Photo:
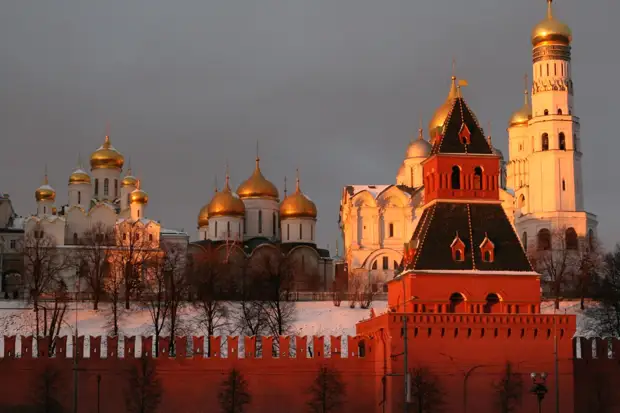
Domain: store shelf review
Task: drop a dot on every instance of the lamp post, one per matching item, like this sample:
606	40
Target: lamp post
539	387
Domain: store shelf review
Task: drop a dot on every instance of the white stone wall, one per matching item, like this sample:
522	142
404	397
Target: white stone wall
411	174
45	208
80	195
98	183
299	230
225	228
125	192
269	209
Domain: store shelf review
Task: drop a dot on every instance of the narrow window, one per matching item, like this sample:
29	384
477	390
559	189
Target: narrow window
562	69
301	232
96	187
228	229
374	265
245	225
555	69
563	185
458	255
79	197
115	188
545	142
45	210
273	224
288	231
559	111
546	112
562	140
477	177
547	69
456	177
386	263
151	237
128	199
391	230
124	236
260	222
524	240
311	232
487	256
106	187
239	231
215	229
540	70
13	244
138	213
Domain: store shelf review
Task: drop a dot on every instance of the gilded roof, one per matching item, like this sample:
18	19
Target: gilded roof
257	186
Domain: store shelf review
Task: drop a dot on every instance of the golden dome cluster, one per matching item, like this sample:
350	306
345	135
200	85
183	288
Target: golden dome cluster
257	186
226	203
79	176
45	192
297	205
551	30
106	157
435	126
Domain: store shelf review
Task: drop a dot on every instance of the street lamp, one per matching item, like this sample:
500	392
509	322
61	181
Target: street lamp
539	387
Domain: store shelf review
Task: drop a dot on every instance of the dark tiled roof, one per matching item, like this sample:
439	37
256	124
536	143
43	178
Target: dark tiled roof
450	142
440	224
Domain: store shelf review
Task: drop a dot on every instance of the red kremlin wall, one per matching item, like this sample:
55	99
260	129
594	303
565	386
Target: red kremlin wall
467	354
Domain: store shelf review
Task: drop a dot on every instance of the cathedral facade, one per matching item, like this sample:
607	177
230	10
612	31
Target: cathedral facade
540	185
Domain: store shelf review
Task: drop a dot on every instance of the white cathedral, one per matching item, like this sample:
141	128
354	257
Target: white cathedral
542	188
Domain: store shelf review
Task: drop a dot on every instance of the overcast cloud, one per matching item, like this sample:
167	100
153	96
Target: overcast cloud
334	87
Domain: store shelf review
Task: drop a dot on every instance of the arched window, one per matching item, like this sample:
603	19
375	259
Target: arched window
96	187
477	177
563	185
75	238
228	229
458	255
115	188
138	213
311	232
288	231
562	140
456	177
151	237
260	221
128	199
245	225
301	231
545	142
215	230
524	240
106	187
546	112
79	197
374	265
391	230
273	223
386	263
522	201
543	240
492	302
591	239
487	256
571	239
457	303
559	111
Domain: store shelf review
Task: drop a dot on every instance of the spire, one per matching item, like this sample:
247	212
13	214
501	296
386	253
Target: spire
297	187
128	167
227	184
489	135
525	91
257	157
420	131
45	181
285	190
79	161
138	183
549	9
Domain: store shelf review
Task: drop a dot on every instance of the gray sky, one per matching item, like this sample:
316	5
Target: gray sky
334	87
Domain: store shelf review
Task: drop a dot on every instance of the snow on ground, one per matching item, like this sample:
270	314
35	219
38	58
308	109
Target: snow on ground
313	318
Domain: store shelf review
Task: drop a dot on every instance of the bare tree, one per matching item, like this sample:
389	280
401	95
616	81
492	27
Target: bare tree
44	264
93	257
175	267
327	393
557	259
56	315
508	390
144	390
234	395
113	286
208	278
591	266
606	315
154	296
426	393
135	248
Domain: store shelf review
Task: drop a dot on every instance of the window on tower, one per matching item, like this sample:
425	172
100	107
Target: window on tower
245	225
456	177
96	187
571	239
106	187
543	240
374	265
301	232
273	223
115	188
546	112
545	142
563	185
391	230
386	263
228	229
260	222
458	249
562	139
79	197
524	240
477	177
559	111
128	199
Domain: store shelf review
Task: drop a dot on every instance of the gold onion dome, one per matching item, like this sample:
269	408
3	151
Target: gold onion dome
419	147
297	205
435	126
551	30
106	157
226	203
45	192
79	176
523	115
203	216
129	179
138	196
257	186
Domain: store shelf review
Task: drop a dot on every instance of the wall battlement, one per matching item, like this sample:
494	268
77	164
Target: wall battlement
217	347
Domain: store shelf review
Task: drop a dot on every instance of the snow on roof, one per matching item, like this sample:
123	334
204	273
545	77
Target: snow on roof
18	223
168	231
374	190
471	272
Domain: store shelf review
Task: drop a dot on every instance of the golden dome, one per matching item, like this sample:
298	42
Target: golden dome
129	179
257	186
297	205
45	192
521	116
79	176
226	203
203	216
106	157
551	30
138	196
435	126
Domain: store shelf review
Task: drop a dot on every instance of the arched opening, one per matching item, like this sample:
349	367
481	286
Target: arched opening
591	239
260	221
96	187
570	236
559	111
458	255
543	240
546	112
456	177
457	303
477	177
491	304
374	265
524	240
487	256
106	187
562	139
545	142
273	223
75	238
391	230
521	201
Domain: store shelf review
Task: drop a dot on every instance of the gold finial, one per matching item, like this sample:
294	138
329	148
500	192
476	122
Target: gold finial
525	89
285	190
420	130
453	68
45	181
79	161
297	188
227	184
257	157
215	183
549	9
138	184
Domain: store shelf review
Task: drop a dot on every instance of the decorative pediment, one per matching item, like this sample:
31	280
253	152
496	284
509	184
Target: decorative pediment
464	134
